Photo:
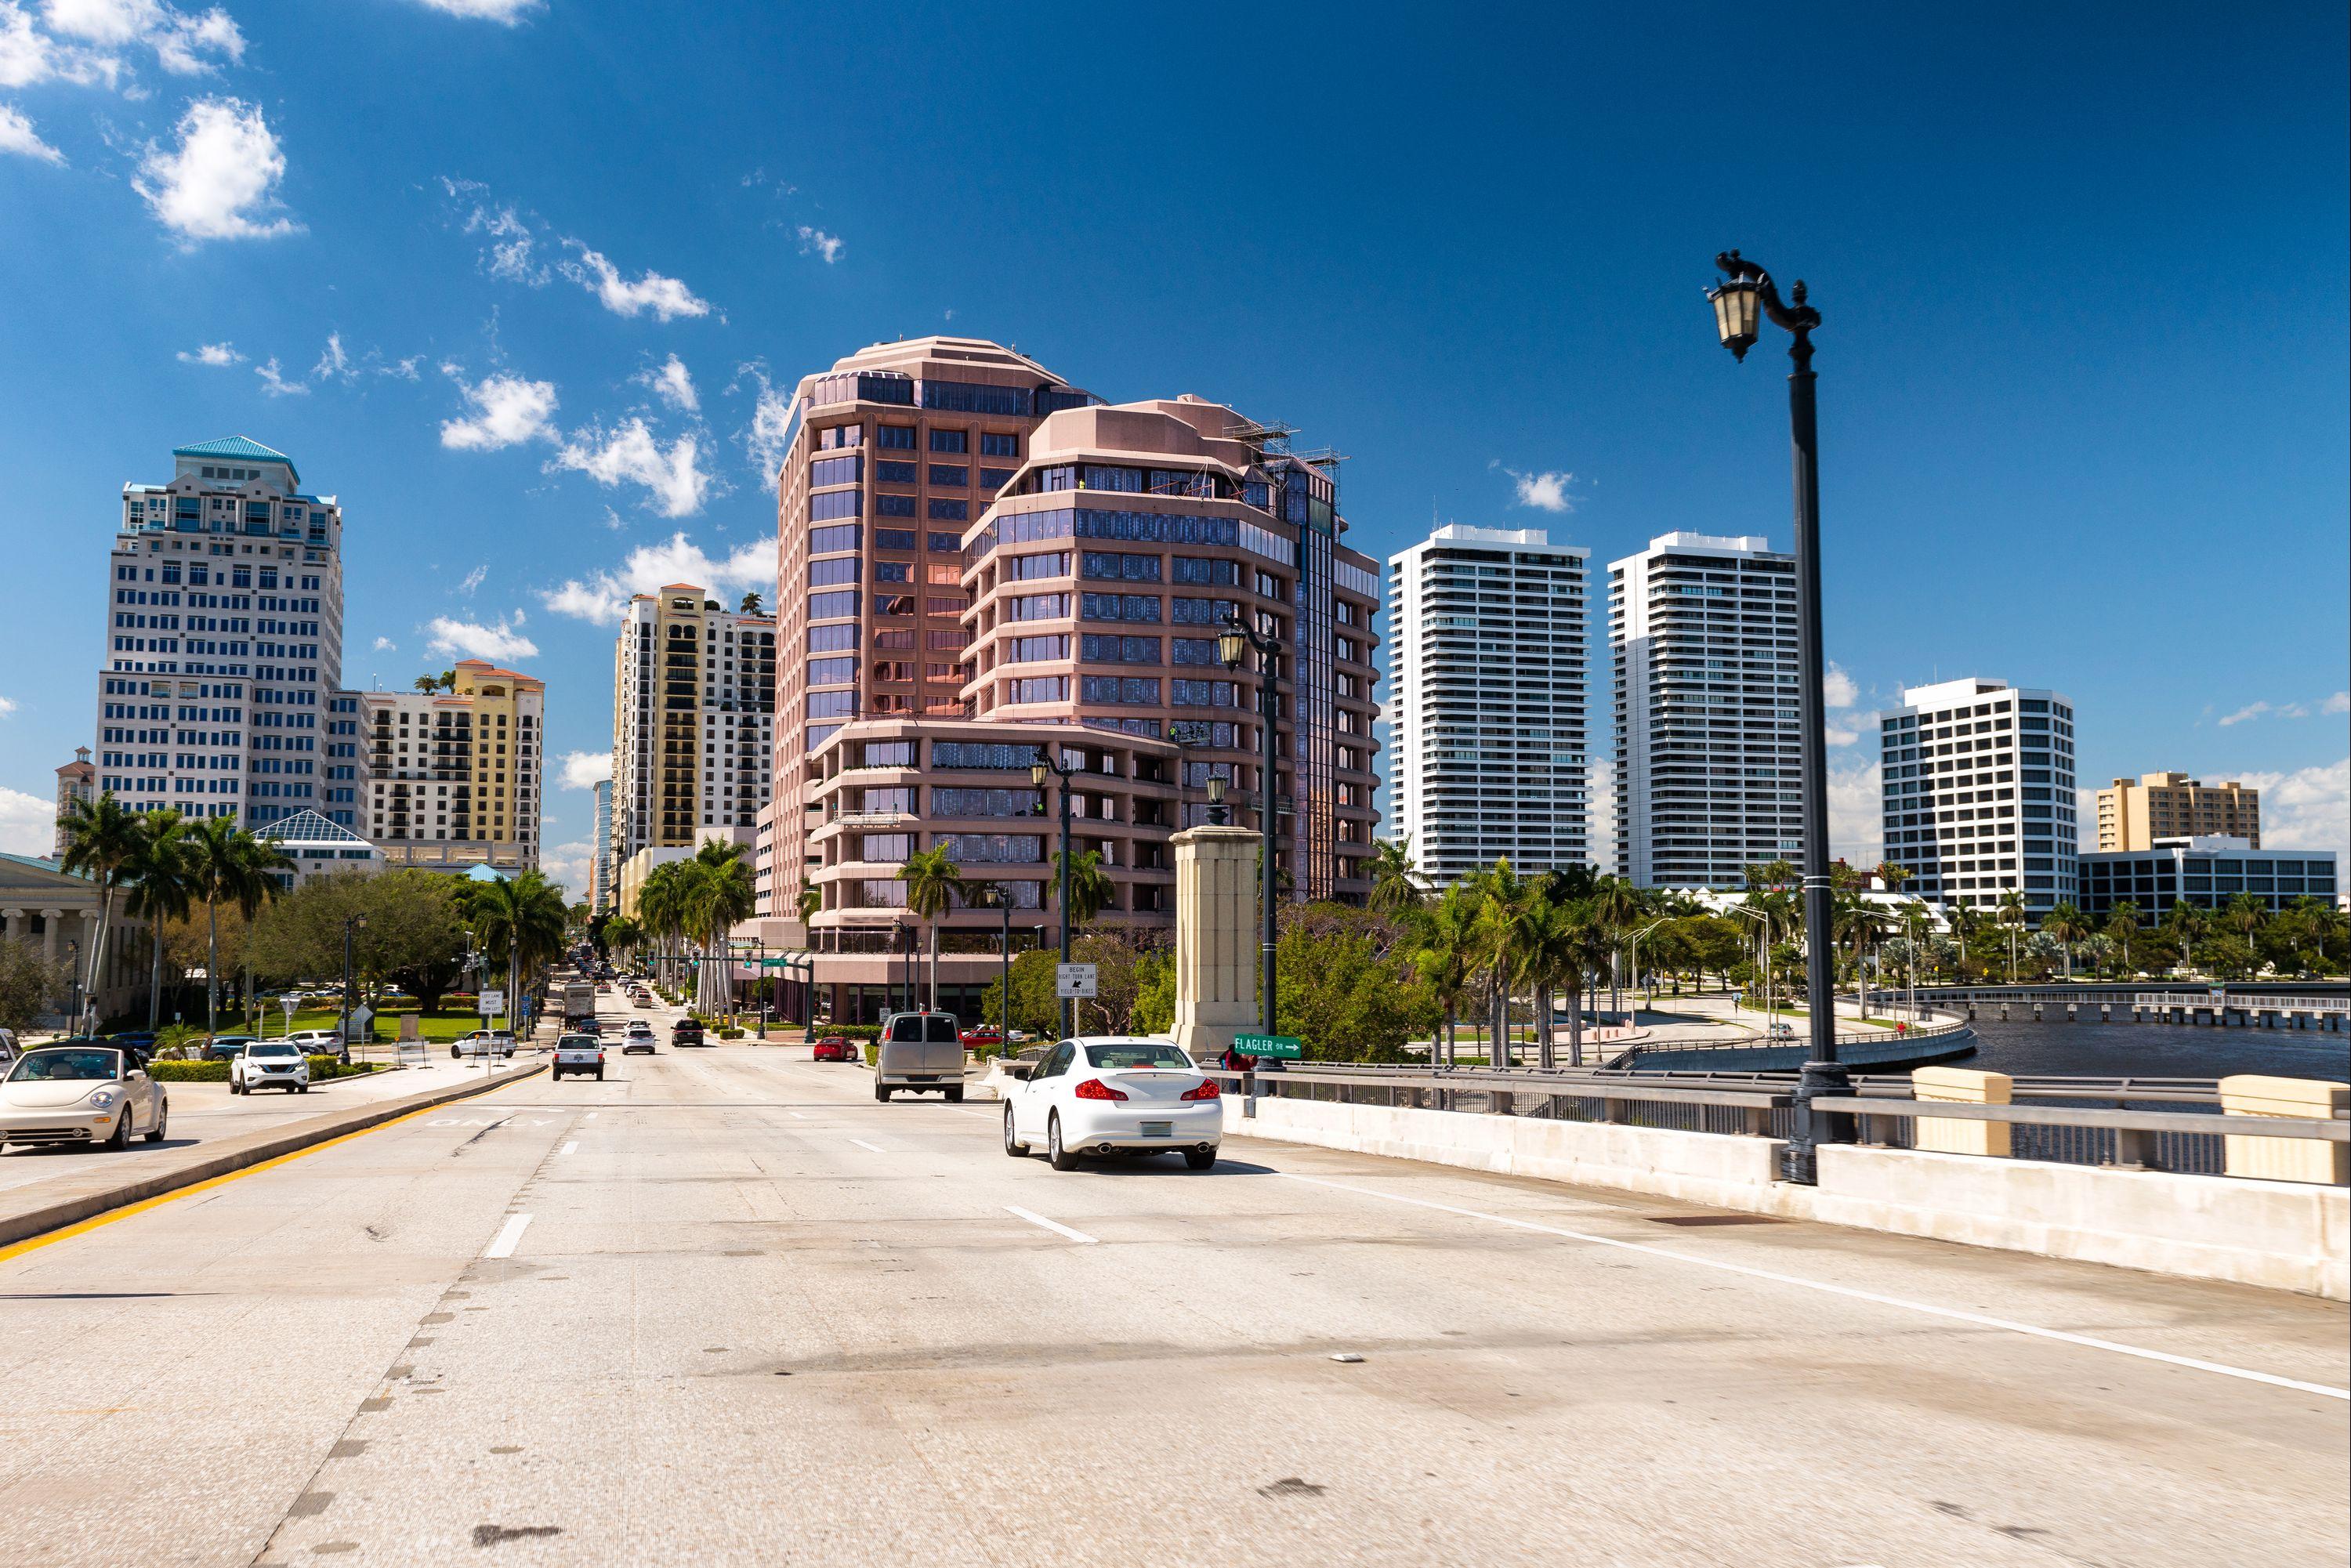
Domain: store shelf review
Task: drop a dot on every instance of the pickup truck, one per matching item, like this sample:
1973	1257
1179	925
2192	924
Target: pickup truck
576	1053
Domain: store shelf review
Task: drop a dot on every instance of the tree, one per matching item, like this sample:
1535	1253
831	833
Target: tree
717	894
160	890
2122	925
428	683
750	606
2067	925
2012	916
1617	908
27	983
662	906
413	936
2183	923
1500	891
1090	889
520	919
934	882
811	902
103	841
1444	956
228	865
1396	884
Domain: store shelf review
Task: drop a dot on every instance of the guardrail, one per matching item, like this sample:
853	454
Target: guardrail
2189	1139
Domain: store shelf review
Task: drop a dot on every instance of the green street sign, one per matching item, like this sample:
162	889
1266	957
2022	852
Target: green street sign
1287	1046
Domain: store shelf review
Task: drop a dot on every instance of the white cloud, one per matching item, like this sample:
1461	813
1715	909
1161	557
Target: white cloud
629	453
185	44
497	640
2253	710
275	383
2308	809
28	823
473	580
1856	827
601	596
770	435
1837	689
28	55
672	383
512	253
212	354
585	770
17	136
1601	794
825	245
386	645
1545	491
666	298
507	411
2339	702
510	13
1835	734
566	865
221	182
333	363
7	706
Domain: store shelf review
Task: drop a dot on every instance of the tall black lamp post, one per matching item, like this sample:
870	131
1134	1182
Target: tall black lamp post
999	897
1746	294
343	1025
1235	641
1048	761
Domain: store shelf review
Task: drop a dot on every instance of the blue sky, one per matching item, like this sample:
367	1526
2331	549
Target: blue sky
2082	376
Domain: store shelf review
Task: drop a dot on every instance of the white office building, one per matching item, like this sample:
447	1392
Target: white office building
1702	648
1979	793
224	642
1486	725
693	702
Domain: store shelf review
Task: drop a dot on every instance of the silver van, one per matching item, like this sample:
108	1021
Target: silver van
919	1051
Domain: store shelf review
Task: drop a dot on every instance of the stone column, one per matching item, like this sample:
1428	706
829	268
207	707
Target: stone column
50	920
1216	937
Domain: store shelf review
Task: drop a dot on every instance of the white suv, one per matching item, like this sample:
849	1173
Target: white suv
270	1065
483	1043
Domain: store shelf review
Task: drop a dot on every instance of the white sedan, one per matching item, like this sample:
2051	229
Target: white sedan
80	1094
1100	1094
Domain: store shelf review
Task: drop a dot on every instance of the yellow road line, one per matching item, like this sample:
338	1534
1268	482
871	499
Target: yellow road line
49	1237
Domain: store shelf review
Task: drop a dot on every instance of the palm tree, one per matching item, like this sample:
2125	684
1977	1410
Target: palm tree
661	907
2067	925
933	882
2122	925
523	916
1501	893
2185	923
1443	957
1090	889
750	605
428	684
718	895
1396	883
161	890
622	935
102	843
811	902
226	864
1618	907
2245	913
2012	915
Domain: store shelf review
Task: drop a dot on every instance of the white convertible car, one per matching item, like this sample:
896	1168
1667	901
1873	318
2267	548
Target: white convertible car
1100	1094
80	1094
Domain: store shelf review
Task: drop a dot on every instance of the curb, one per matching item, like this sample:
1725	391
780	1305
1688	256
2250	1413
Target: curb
234	1154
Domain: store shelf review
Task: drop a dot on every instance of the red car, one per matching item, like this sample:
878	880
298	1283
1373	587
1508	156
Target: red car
983	1035
834	1047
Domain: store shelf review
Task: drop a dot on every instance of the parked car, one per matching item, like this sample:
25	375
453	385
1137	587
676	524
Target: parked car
686	1031
834	1047
7	1046
639	1036
142	1041
919	1054
270	1065
484	1042
576	1053
320	1042
225	1047
1101	1095
983	1035
81	1093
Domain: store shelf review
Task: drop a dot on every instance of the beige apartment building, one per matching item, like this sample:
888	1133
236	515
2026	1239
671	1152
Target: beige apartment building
76	786
454	777
694	704
2132	816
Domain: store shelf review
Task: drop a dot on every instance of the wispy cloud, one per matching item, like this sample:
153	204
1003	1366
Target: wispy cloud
183	43
473	580
666	298
508	13
630	453
273	382
212	354
770	436
333	363
2340	702
823	243
672	383
18	137
507	411
2306	808
600	597
500	639
221	181
386	645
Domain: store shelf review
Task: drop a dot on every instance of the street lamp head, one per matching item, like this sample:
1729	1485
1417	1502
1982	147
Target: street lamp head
1232	646
1037	771
1215	790
1737	308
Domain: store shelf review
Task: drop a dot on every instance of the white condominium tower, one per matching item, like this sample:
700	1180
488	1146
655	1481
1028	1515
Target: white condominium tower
1702	637
694	707
1491	630
224	645
1979	793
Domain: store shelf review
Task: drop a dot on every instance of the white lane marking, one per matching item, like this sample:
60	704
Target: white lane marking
1953	1313
572	1147
1053	1225
590	1117
796	1115
864	1144
509	1237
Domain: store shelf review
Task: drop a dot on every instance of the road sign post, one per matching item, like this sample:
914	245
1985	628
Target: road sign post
1075	981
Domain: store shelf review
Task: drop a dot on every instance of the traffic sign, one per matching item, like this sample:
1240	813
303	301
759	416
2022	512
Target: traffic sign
1289	1047
492	1003
1074	980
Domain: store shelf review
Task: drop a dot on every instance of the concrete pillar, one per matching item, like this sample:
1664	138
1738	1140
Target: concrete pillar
50	920
1963	1086
1216	937
2285	1159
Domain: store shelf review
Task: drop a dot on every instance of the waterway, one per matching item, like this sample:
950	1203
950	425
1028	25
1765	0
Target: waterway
2021	1047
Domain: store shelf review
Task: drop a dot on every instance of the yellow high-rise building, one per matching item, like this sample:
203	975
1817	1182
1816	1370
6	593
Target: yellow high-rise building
2174	806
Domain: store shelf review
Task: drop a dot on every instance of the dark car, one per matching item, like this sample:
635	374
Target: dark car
686	1031
834	1047
226	1047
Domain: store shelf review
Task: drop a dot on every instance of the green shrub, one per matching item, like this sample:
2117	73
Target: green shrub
188	1072
730	1034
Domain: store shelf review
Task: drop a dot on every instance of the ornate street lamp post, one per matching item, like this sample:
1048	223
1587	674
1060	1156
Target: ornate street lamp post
1745	294
1048	761
343	1025
1235	643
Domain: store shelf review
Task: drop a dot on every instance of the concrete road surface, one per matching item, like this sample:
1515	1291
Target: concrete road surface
723	1307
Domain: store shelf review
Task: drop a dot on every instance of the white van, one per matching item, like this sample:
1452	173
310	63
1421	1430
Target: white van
919	1051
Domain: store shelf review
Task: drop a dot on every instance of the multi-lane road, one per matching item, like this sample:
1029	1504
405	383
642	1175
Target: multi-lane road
723	1307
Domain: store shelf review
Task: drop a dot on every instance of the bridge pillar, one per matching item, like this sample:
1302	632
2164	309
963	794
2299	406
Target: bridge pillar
2036	1012
2105	1013
2285	1159
1216	937
2003	1009
1963	1086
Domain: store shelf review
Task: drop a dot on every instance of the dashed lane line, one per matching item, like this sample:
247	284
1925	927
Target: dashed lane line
508	1238
1055	1225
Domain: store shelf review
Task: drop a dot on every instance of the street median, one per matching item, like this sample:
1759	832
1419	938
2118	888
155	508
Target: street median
110	1184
